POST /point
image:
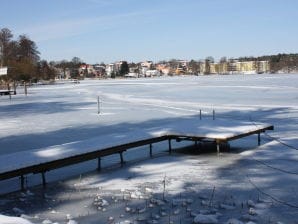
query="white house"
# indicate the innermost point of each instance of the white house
(110, 68)
(151, 73)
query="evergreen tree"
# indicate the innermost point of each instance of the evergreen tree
(124, 69)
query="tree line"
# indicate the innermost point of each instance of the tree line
(21, 56)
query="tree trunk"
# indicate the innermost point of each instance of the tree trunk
(25, 88)
(14, 87)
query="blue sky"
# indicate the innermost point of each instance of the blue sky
(137, 30)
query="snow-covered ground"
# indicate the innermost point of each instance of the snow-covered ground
(249, 183)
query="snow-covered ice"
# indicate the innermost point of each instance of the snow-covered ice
(259, 183)
(13, 220)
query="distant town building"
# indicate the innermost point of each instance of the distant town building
(213, 68)
(223, 68)
(99, 70)
(132, 75)
(62, 73)
(263, 67)
(234, 66)
(86, 70)
(145, 66)
(180, 71)
(164, 69)
(152, 73)
(110, 69)
(246, 67)
(172, 67)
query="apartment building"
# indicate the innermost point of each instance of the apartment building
(235, 67)
(246, 67)
(263, 67)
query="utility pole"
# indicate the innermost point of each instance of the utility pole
(98, 105)
(1, 55)
(5, 69)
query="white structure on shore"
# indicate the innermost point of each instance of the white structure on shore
(110, 68)
(151, 73)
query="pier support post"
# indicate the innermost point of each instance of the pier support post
(170, 146)
(99, 164)
(150, 147)
(22, 183)
(44, 183)
(121, 158)
(218, 147)
(259, 139)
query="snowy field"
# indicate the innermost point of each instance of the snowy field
(247, 184)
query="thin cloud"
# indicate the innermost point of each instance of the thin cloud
(73, 27)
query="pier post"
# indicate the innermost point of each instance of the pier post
(121, 158)
(170, 146)
(99, 164)
(43, 179)
(200, 114)
(259, 139)
(150, 147)
(218, 147)
(22, 183)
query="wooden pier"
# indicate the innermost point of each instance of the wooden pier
(7, 92)
(117, 147)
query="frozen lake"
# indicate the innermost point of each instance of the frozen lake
(64, 113)
(57, 114)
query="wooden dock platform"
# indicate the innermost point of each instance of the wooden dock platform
(41, 161)
(7, 92)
